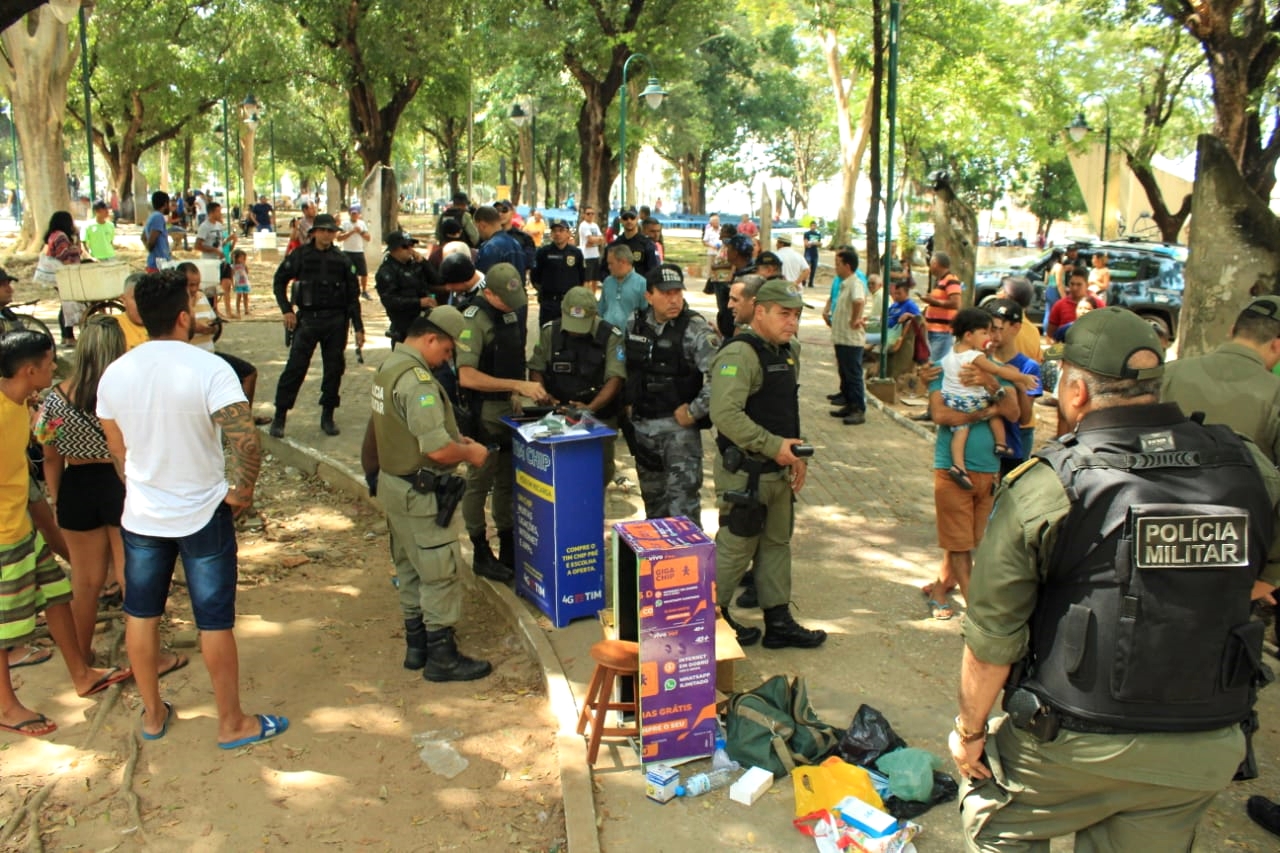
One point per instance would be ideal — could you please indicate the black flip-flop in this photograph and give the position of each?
(182, 661)
(961, 478)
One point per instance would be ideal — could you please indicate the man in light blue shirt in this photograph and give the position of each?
(155, 233)
(622, 292)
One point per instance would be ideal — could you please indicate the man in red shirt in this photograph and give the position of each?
(1064, 310)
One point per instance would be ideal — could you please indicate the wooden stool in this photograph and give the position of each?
(613, 658)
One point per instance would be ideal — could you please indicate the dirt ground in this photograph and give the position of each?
(321, 642)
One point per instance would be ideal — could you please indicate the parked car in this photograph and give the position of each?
(1146, 278)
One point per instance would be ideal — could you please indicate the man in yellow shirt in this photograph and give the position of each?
(131, 321)
(33, 581)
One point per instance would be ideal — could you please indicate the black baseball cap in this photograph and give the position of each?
(5, 277)
(1004, 309)
(400, 240)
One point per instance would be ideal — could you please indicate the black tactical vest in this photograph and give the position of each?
(322, 278)
(659, 377)
(504, 358)
(1143, 623)
(776, 406)
(575, 370)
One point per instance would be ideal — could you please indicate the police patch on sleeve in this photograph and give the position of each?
(621, 353)
(1191, 541)
(427, 400)
(728, 370)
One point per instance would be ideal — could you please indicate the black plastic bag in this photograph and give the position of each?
(944, 790)
(869, 737)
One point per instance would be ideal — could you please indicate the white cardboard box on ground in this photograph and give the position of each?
(660, 782)
(751, 786)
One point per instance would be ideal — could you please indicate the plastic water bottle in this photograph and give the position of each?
(721, 760)
(700, 783)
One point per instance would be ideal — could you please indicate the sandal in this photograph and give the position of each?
(940, 610)
(1003, 451)
(961, 477)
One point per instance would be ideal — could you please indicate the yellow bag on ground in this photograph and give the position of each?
(822, 786)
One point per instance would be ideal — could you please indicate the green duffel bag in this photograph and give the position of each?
(774, 726)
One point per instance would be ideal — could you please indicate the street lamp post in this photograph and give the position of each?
(88, 108)
(653, 95)
(895, 18)
(249, 111)
(519, 117)
(1078, 130)
(226, 160)
(271, 138)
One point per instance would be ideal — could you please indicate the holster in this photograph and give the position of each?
(449, 491)
(747, 513)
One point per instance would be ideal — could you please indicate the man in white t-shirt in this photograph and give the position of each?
(352, 241)
(215, 244)
(165, 408)
(590, 239)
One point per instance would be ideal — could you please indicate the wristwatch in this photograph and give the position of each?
(967, 736)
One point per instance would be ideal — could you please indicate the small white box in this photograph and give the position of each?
(751, 786)
(865, 818)
(660, 783)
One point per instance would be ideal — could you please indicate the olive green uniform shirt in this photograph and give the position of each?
(418, 401)
(1232, 386)
(736, 374)
(615, 358)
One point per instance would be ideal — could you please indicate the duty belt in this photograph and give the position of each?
(1076, 724)
(313, 311)
(422, 478)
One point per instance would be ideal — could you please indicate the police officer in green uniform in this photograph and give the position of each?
(1234, 385)
(491, 371)
(325, 298)
(582, 363)
(1112, 607)
(419, 449)
(756, 412)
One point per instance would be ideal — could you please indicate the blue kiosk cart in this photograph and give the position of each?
(559, 516)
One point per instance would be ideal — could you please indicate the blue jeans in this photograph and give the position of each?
(1051, 296)
(849, 363)
(939, 345)
(209, 560)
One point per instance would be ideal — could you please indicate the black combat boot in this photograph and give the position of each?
(780, 630)
(484, 564)
(507, 548)
(327, 426)
(415, 644)
(747, 635)
(277, 423)
(446, 663)
(748, 599)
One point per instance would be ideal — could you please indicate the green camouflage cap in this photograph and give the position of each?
(1103, 340)
(504, 280)
(781, 292)
(578, 310)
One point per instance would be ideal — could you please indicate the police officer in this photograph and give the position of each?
(644, 255)
(739, 252)
(325, 297)
(1117, 571)
(755, 409)
(419, 449)
(580, 360)
(558, 267)
(491, 371)
(404, 282)
(669, 349)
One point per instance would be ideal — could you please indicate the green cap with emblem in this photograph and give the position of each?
(1103, 340)
(504, 280)
(447, 319)
(577, 311)
(781, 292)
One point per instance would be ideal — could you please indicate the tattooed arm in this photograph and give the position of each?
(236, 421)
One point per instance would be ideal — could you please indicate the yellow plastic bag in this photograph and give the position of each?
(822, 786)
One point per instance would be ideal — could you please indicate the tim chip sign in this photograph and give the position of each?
(1192, 541)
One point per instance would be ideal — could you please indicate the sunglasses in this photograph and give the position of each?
(628, 216)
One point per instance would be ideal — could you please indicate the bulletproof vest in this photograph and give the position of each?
(321, 281)
(1143, 623)
(504, 357)
(776, 405)
(659, 377)
(398, 451)
(576, 368)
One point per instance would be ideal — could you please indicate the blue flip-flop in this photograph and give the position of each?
(271, 726)
(164, 730)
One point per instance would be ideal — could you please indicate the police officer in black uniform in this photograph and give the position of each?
(405, 283)
(325, 297)
(644, 255)
(558, 267)
(740, 253)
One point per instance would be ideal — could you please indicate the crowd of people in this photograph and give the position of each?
(1108, 573)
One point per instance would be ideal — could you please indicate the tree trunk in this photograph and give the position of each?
(595, 157)
(955, 231)
(1169, 222)
(1234, 250)
(40, 58)
(871, 262)
(853, 142)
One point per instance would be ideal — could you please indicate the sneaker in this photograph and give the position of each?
(837, 400)
(855, 418)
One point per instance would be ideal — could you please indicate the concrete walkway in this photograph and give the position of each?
(863, 545)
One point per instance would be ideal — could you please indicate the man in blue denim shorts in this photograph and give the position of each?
(164, 407)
